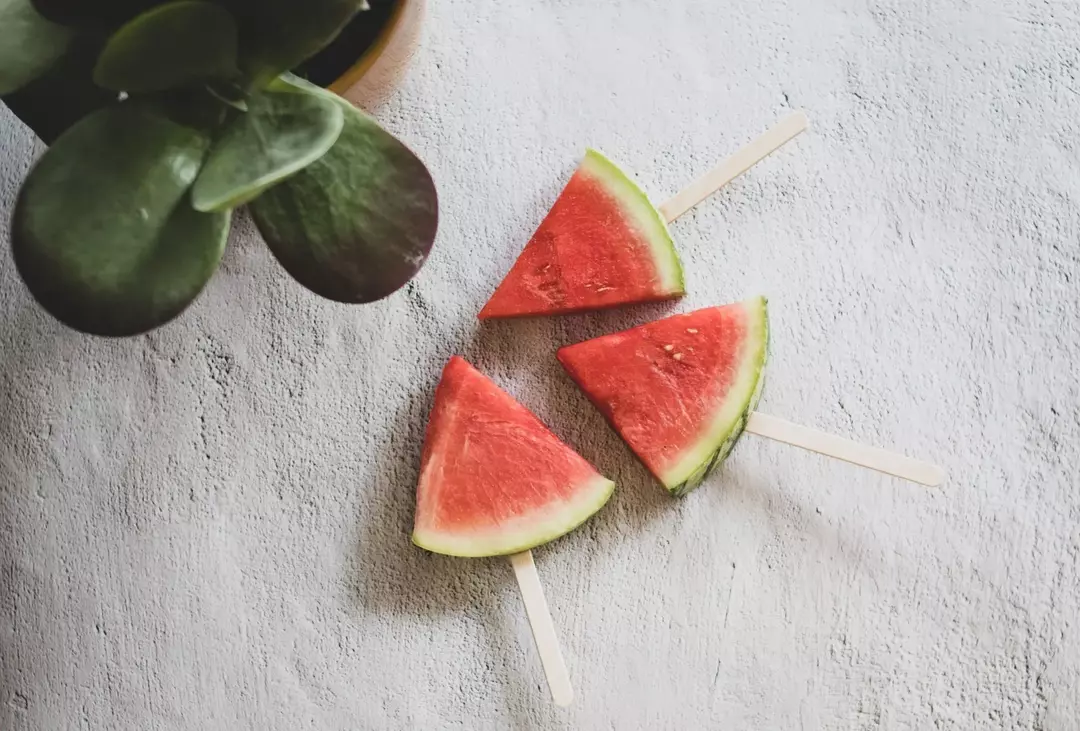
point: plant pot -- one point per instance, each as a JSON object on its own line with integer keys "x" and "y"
{"x": 370, "y": 56}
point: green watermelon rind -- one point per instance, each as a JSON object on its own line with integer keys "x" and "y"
{"x": 534, "y": 529}
{"x": 699, "y": 460}
{"x": 648, "y": 221}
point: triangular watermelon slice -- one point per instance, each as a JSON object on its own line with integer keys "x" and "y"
{"x": 493, "y": 479}
{"x": 601, "y": 245}
{"x": 678, "y": 390}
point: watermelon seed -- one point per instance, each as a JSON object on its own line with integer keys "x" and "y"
{"x": 677, "y": 356}
{"x": 669, "y": 348}
{"x": 691, "y": 330}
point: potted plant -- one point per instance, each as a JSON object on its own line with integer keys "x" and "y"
{"x": 370, "y": 54}
{"x": 163, "y": 118}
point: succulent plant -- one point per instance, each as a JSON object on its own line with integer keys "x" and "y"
{"x": 161, "y": 119}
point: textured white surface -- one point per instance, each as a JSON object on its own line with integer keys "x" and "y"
{"x": 207, "y": 527}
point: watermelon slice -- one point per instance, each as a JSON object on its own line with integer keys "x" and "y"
{"x": 601, "y": 245}
{"x": 678, "y": 390}
{"x": 493, "y": 479}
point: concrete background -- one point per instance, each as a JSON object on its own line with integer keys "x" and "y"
{"x": 207, "y": 527}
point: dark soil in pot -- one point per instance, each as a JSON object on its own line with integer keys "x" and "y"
{"x": 329, "y": 64}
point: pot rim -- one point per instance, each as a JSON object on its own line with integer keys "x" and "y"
{"x": 355, "y": 72}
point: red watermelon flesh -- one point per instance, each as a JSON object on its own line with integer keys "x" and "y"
{"x": 493, "y": 479}
{"x": 601, "y": 245}
{"x": 678, "y": 390}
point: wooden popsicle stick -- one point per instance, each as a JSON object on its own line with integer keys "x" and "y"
{"x": 734, "y": 166}
{"x": 770, "y": 426}
{"x": 833, "y": 446}
{"x": 543, "y": 628}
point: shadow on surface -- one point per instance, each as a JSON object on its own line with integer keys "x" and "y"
{"x": 389, "y": 574}
{"x": 799, "y": 526}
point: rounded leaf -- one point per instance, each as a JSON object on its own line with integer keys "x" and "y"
{"x": 282, "y": 132}
{"x": 29, "y": 44}
{"x": 63, "y": 95}
{"x": 356, "y": 224}
{"x": 98, "y": 14}
{"x": 104, "y": 234}
{"x": 276, "y": 35}
{"x": 169, "y": 46}
{"x": 228, "y": 92}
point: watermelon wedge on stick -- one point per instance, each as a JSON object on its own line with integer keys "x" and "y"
{"x": 681, "y": 391}
{"x": 495, "y": 481}
{"x": 603, "y": 244}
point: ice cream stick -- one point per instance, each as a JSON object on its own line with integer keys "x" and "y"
{"x": 833, "y": 446}
{"x": 770, "y": 426}
{"x": 734, "y": 166}
{"x": 543, "y": 629}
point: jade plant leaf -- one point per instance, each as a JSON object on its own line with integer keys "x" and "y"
{"x": 96, "y": 14}
{"x": 357, "y": 223}
{"x": 103, "y": 232}
{"x": 282, "y": 132}
{"x": 62, "y": 95}
{"x": 29, "y": 44}
{"x": 168, "y": 46}
{"x": 276, "y": 35}
{"x": 229, "y": 93}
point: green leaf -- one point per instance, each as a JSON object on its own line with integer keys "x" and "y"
{"x": 62, "y": 95}
{"x": 276, "y": 35}
{"x": 229, "y": 93}
{"x": 190, "y": 106}
{"x": 169, "y": 46}
{"x": 94, "y": 14}
{"x": 283, "y": 132}
{"x": 357, "y": 223}
{"x": 29, "y": 44}
{"x": 103, "y": 233}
